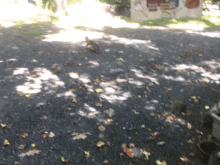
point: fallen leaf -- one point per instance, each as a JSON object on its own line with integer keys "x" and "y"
{"x": 51, "y": 134}
{"x": 131, "y": 145}
{"x": 87, "y": 153}
{"x": 30, "y": 152}
{"x": 100, "y": 144}
{"x": 147, "y": 154}
{"x": 75, "y": 101}
{"x": 161, "y": 163}
{"x": 120, "y": 59}
{"x": 207, "y": 107}
{"x": 105, "y": 161}
{"x": 184, "y": 159}
{"x": 98, "y": 90}
{"x": 23, "y": 135}
{"x": 33, "y": 145}
{"x": 6, "y": 142}
{"x": 98, "y": 104}
{"x": 45, "y": 135}
{"x": 68, "y": 108}
{"x": 169, "y": 89}
{"x": 27, "y": 95}
{"x": 200, "y": 55}
{"x": 189, "y": 126}
{"x": 189, "y": 141}
{"x": 109, "y": 112}
{"x": 22, "y": 147}
{"x": 72, "y": 90}
{"x": 129, "y": 152}
{"x": 156, "y": 133}
{"x": 193, "y": 97}
{"x": 109, "y": 121}
{"x": 142, "y": 126}
{"x": 101, "y": 128}
{"x": 64, "y": 159}
{"x": 3, "y": 125}
{"x": 124, "y": 145}
{"x": 157, "y": 83}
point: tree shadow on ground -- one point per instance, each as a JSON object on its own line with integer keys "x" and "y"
{"x": 135, "y": 74}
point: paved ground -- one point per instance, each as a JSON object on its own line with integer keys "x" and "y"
{"x": 138, "y": 70}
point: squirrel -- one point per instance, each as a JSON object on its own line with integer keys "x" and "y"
{"x": 95, "y": 47}
{"x": 175, "y": 107}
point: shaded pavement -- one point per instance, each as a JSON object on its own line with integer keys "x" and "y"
{"x": 138, "y": 70}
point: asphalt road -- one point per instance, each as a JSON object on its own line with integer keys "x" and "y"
{"x": 138, "y": 71}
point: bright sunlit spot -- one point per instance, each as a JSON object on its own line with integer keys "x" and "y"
{"x": 36, "y": 79}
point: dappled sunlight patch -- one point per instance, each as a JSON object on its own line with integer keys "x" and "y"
{"x": 36, "y": 79}
{"x": 139, "y": 73}
{"x": 141, "y": 45}
{"x": 190, "y": 25}
{"x": 213, "y": 34}
{"x": 150, "y": 108}
{"x": 214, "y": 77}
{"x": 178, "y": 78}
{"x": 84, "y": 78}
{"x": 135, "y": 82}
{"x": 93, "y": 64}
{"x": 114, "y": 98}
{"x": 67, "y": 94}
{"x": 12, "y": 60}
{"x": 72, "y": 35}
{"x": 74, "y": 75}
{"x": 211, "y": 64}
{"x": 20, "y": 71}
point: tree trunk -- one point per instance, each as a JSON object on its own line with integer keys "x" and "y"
{"x": 60, "y": 7}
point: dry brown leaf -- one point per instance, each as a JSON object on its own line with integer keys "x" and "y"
{"x": 68, "y": 108}
{"x": 22, "y": 147}
{"x": 100, "y": 144}
{"x": 64, "y": 159}
{"x": 98, "y": 104}
{"x": 23, "y": 135}
{"x": 101, "y": 128}
{"x": 72, "y": 90}
{"x": 184, "y": 159}
{"x": 75, "y": 101}
{"x": 131, "y": 145}
{"x": 161, "y": 163}
{"x": 105, "y": 161}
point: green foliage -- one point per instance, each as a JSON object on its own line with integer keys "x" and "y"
{"x": 167, "y": 22}
{"x": 49, "y": 4}
{"x": 112, "y": 2}
{"x": 73, "y": 1}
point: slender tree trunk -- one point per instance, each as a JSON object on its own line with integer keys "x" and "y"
{"x": 60, "y": 7}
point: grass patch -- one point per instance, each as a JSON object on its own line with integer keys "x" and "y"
{"x": 206, "y": 21}
{"x": 73, "y": 1}
{"x": 39, "y": 32}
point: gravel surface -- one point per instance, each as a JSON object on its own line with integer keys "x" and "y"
{"x": 138, "y": 70}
